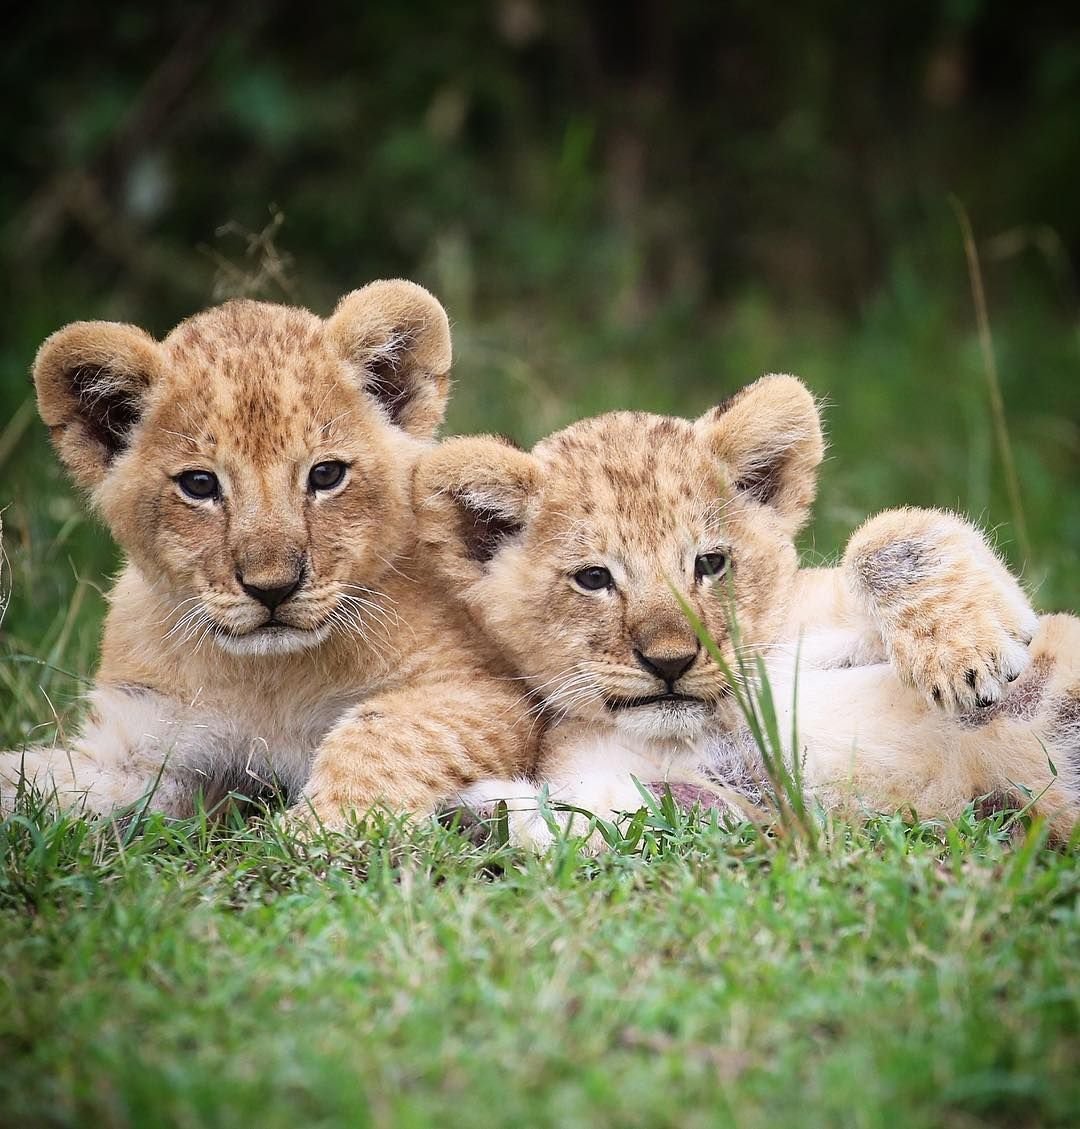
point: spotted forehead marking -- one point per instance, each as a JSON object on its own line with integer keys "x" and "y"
{"x": 256, "y": 376}
{"x": 630, "y": 481}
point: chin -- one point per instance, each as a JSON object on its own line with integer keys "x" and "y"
{"x": 276, "y": 640}
{"x": 682, "y": 722}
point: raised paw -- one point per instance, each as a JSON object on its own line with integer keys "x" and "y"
{"x": 954, "y": 621}
{"x": 963, "y": 656}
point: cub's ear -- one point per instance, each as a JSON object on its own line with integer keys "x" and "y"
{"x": 397, "y": 336}
{"x": 769, "y": 436}
{"x": 93, "y": 379}
{"x": 470, "y": 496}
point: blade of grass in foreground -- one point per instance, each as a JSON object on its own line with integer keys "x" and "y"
{"x": 753, "y": 695}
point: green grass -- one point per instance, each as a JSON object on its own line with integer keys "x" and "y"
{"x": 895, "y": 975}
{"x": 192, "y": 977}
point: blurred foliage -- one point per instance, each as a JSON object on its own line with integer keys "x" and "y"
{"x": 616, "y": 155}
{"x": 641, "y": 204}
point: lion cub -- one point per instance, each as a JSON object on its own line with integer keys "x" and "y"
{"x": 273, "y": 623}
{"x": 573, "y": 558}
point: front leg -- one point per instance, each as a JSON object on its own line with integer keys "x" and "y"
{"x": 409, "y": 750}
{"x": 953, "y": 620}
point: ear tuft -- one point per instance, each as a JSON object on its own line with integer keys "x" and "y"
{"x": 769, "y": 435}
{"x": 397, "y": 337}
{"x": 471, "y": 496}
{"x": 92, "y": 380}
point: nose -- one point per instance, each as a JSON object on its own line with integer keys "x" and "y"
{"x": 668, "y": 667}
{"x": 274, "y": 595}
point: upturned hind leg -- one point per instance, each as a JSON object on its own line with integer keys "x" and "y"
{"x": 1028, "y": 744}
{"x": 868, "y": 742}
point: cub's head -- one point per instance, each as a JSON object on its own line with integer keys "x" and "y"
{"x": 568, "y": 555}
{"x": 255, "y": 464}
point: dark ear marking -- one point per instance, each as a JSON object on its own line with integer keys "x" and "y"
{"x": 483, "y": 532}
{"x": 769, "y": 437}
{"x": 472, "y": 497}
{"x": 109, "y": 410}
{"x": 397, "y": 337}
{"x": 762, "y": 483}
{"x": 386, "y": 381}
{"x": 93, "y": 382}
{"x": 724, "y": 405}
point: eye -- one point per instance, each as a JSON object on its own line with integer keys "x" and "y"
{"x": 325, "y": 476}
{"x": 199, "y": 484}
{"x": 710, "y": 566}
{"x": 593, "y": 579}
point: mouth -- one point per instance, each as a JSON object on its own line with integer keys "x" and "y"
{"x": 671, "y": 700}
{"x": 270, "y": 638}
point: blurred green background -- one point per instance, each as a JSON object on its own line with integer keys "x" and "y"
{"x": 643, "y": 204}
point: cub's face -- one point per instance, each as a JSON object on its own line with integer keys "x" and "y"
{"x": 575, "y": 557}
{"x": 255, "y": 464}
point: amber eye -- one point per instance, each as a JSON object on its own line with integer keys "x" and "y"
{"x": 593, "y": 579}
{"x": 199, "y": 484}
{"x": 710, "y": 566}
{"x": 325, "y": 476}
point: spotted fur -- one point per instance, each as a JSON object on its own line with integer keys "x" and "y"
{"x": 919, "y": 604}
{"x": 363, "y": 686}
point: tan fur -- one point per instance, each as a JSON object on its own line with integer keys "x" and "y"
{"x": 643, "y": 496}
{"x": 366, "y": 671}
{"x": 925, "y": 591}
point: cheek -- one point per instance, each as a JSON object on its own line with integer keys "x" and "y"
{"x": 764, "y": 575}
{"x": 163, "y": 535}
{"x": 601, "y": 631}
{"x": 581, "y": 627}
{"x": 527, "y": 612}
{"x": 369, "y": 519}
{"x": 191, "y": 541}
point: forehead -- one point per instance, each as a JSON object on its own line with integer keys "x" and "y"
{"x": 255, "y": 378}
{"x": 631, "y": 480}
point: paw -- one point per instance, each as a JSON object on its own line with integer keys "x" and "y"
{"x": 533, "y": 820}
{"x": 526, "y": 825}
{"x": 954, "y": 621}
{"x": 324, "y": 806}
{"x": 964, "y": 657}
{"x": 530, "y": 822}
{"x": 536, "y": 829}
{"x": 305, "y": 821}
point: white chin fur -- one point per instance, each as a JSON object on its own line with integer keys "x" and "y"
{"x": 277, "y": 641}
{"x": 662, "y": 723}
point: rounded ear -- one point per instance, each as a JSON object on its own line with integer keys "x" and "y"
{"x": 769, "y": 435}
{"x": 397, "y": 337}
{"x": 93, "y": 379}
{"x": 471, "y": 496}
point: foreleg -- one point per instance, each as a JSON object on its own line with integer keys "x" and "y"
{"x": 409, "y": 750}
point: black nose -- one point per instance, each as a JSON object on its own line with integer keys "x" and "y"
{"x": 667, "y": 667}
{"x": 270, "y": 598}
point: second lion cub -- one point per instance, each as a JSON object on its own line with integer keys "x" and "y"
{"x": 572, "y": 559}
